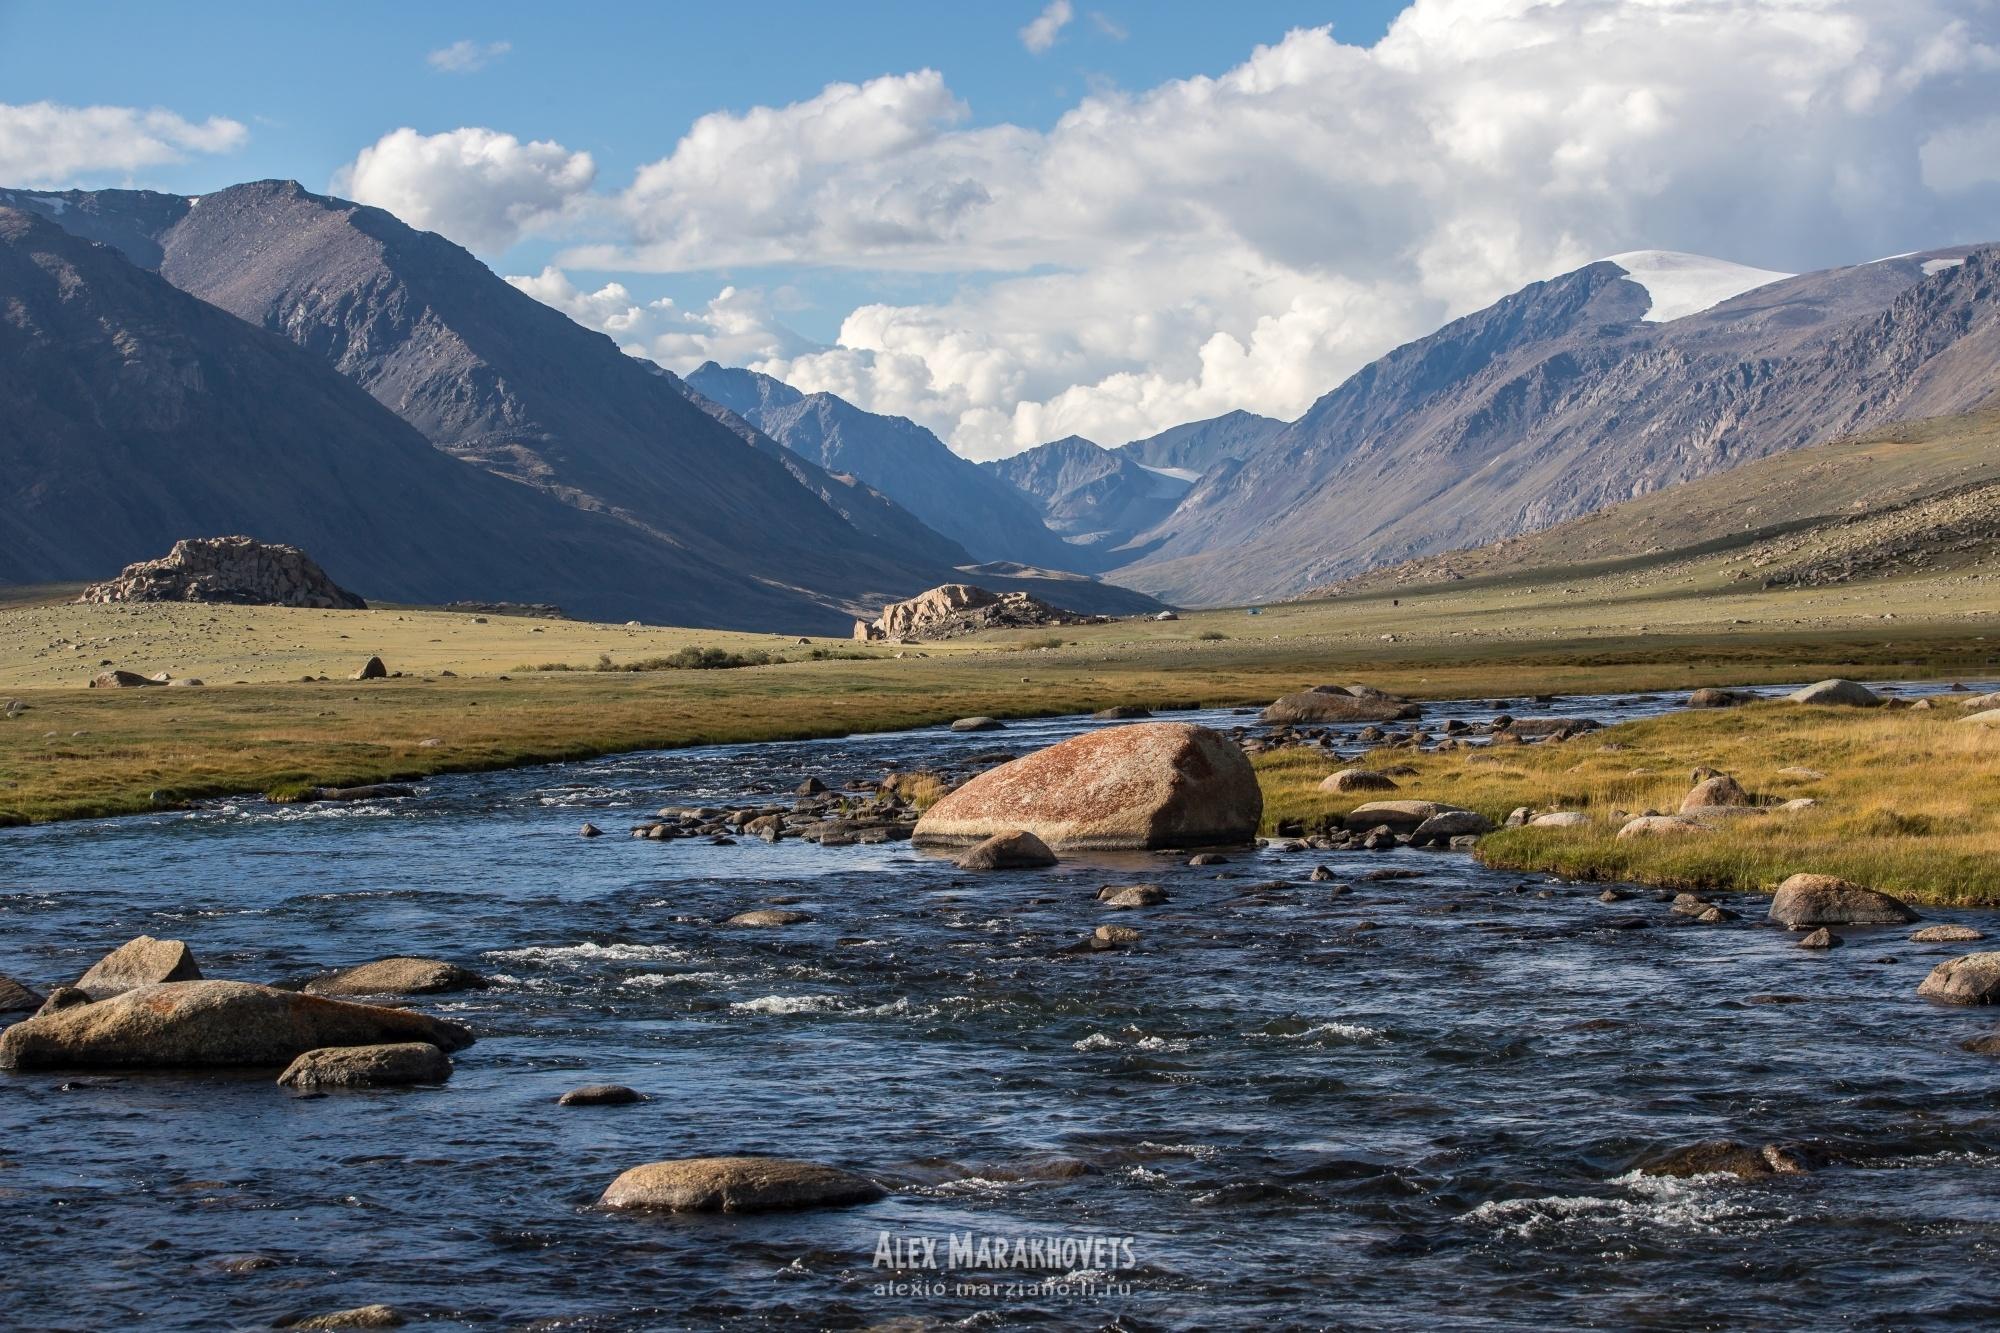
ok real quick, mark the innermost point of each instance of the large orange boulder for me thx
(1156, 784)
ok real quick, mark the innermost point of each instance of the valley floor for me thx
(464, 703)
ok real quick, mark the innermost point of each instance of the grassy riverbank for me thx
(81, 753)
(257, 727)
(1909, 800)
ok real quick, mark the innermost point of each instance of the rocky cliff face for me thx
(1097, 498)
(953, 609)
(1560, 400)
(1198, 446)
(237, 570)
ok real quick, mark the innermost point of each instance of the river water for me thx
(1416, 1105)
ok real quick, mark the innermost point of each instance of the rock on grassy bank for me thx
(1903, 800)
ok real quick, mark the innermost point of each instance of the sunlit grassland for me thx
(1909, 801)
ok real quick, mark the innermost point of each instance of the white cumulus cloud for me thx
(467, 56)
(478, 187)
(1041, 34)
(49, 144)
(738, 327)
(1249, 239)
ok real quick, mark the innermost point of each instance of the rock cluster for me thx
(201, 1024)
(952, 609)
(238, 570)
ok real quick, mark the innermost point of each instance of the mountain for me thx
(137, 415)
(896, 456)
(498, 380)
(1096, 497)
(1573, 394)
(1197, 446)
(1919, 496)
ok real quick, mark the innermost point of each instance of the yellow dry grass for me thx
(1909, 799)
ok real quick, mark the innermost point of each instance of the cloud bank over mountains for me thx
(1245, 240)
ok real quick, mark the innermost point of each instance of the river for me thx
(1416, 1105)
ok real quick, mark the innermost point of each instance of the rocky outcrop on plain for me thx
(1151, 784)
(737, 1185)
(240, 571)
(204, 1024)
(953, 609)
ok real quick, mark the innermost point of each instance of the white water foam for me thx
(591, 953)
(1697, 1203)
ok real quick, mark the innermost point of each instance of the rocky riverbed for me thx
(1297, 1083)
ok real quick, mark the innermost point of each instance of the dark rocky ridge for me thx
(139, 415)
(737, 530)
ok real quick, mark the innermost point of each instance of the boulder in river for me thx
(1151, 784)
(1015, 849)
(1804, 901)
(1844, 693)
(200, 1024)
(1947, 934)
(1338, 703)
(1398, 816)
(1122, 896)
(139, 962)
(767, 917)
(16, 998)
(398, 976)
(1122, 713)
(1972, 978)
(601, 1094)
(1821, 939)
(391, 1065)
(737, 1185)
(361, 1316)
(1727, 1157)
(1357, 779)
(978, 724)
(1711, 697)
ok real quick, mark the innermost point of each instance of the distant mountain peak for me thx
(1681, 284)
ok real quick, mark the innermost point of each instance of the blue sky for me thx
(316, 81)
(1163, 211)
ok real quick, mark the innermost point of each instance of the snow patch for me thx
(1932, 266)
(1682, 284)
(1185, 474)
